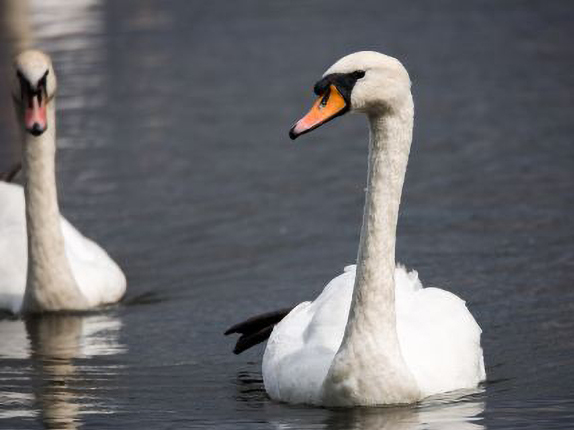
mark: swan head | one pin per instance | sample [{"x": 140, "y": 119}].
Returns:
[
  {"x": 33, "y": 88},
  {"x": 366, "y": 82}
]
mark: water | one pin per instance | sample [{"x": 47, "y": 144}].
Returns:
[{"x": 174, "y": 155}]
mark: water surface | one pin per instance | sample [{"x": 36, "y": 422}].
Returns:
[{"x": 174, "y": 155}]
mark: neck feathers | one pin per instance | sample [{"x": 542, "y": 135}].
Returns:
[
  {"x": 374, "y": 292},
  {"x": 369, "y": 360},
  {"x": 50, "y": 284}
]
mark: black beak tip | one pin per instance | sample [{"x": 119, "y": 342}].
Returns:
[
  {"x": 292, "y": 133},
  {"x": 36, "y": 130}
]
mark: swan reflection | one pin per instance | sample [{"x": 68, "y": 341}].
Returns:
[
  {"x": 463, "y": 415},
  {"x": 54, "y": 367},
  {"x": 459, "y": 410}
]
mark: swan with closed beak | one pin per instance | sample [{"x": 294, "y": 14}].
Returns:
[
  {"x": 45, "y": 263},
  {"x": 374, "y": 336}
]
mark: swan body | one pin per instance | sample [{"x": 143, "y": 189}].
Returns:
[
  {"x": 439, "y": 340},
  {"x": 99, "y": 278},
  {"x": 45, "y": 263},
  {"x": 374, "y": 336}
]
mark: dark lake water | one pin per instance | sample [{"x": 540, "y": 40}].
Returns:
[{"x": 174, "y": 155}]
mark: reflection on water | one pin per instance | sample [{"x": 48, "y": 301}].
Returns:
[
  {"x": 60, "y": 385},
  {"x": 16, "y": 24},
  {"x": 461, "y": 410},
  {"x": 172, "y": 124},
  {"x": 462, "y": 415},
  {"x": 52, "y": 365},
  {"x": 72, "y": 32}
]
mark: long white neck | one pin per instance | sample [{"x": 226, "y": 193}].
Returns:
[
  {"x": 373, "y": 305},
  {"x": 369, "y": 367},
  {"x": 50, "y": 284}
]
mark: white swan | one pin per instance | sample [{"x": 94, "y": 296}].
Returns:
[
  {"x": 374, "y": 336},
  {"x": 45, "y": 263}
]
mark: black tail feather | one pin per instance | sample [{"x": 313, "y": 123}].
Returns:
[
  {"x": 256, "y": 329},
  {"x": 9, "y": 175},
  {"x": 258, "y": 322},
  {"x": 247, "y": 341}
]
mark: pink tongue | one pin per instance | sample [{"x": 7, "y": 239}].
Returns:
[{"x": 35, "y": 114}]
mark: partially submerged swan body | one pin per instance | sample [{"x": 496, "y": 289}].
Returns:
[
  {"x": 439, "y": 342},
  {"x": 374, "y": 336},
  {"x": 45, "y": 263}
]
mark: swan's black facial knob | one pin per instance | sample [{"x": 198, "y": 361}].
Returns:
[{"x": 33, "y": 103}]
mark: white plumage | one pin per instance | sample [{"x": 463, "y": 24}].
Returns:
[
  {"x": 45, "y": 263},
  {"x": 439, "y": 339},
  {"x": 374, "y": 336},
  {"x": 98, "y": 277}
]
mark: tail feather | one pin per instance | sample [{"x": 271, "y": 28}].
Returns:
[
  {"x": 9, "y": 175},
  {"x": 256, "y": 329},
  {"x": 247, "y": 341}
]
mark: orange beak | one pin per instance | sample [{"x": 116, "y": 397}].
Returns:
[
  {"x": 329, "y": 105},
  {"x": 35, "y": 115}
]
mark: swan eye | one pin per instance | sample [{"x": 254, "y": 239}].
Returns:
[
  {"x": 24, "y": 86},
  {"x": 325, "y": 99},
  {"x": 358, "y": 74},
  {"x": 43, "y": 85},
  {"x": 43, "y": 80},
  {"x": 26, "y": 89}
]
